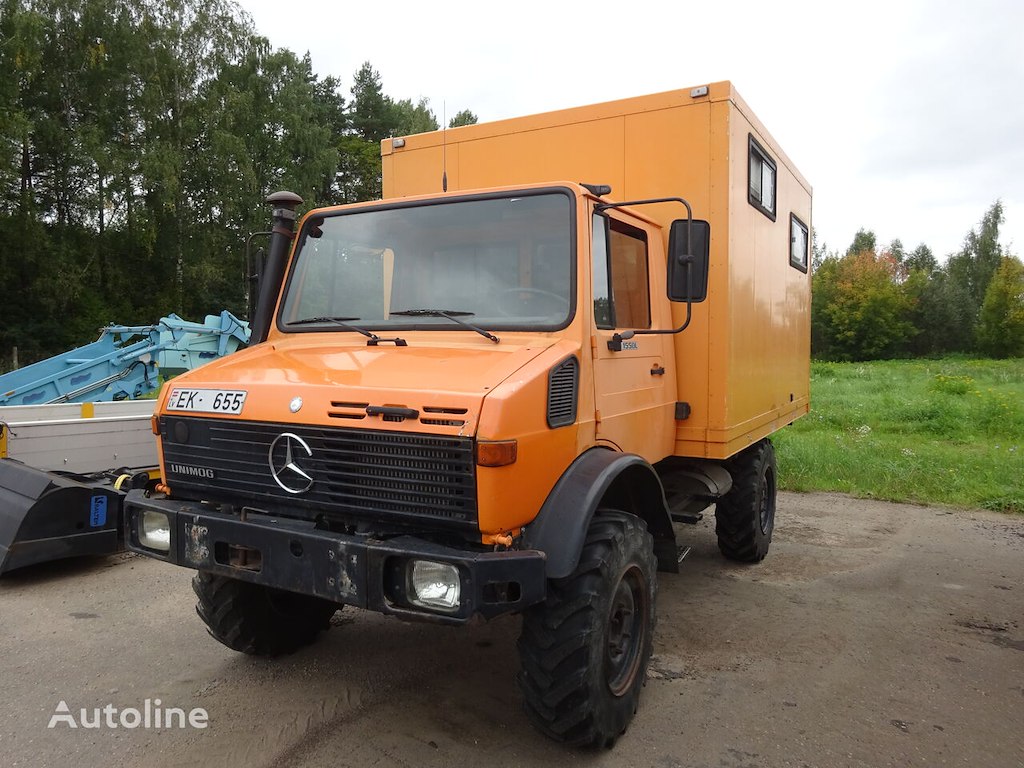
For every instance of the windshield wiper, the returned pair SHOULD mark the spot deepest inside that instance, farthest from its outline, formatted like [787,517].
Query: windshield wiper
[336,321]
[374,339]
[452,314]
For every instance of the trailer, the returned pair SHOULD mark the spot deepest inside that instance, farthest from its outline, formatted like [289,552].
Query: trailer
[64,471]
[67,463]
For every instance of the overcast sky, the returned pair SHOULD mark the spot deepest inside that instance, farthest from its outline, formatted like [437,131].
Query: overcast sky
[906,116]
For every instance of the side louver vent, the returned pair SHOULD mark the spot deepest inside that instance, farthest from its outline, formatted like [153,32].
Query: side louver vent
[563,390]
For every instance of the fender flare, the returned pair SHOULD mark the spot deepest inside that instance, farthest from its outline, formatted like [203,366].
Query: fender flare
[560,528]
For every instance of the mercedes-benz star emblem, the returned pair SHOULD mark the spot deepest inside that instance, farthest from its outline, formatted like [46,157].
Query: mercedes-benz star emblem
[283,468]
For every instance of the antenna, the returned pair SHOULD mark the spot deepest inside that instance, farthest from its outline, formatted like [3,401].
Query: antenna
[444,146]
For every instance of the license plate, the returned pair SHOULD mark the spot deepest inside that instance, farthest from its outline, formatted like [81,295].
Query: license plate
[207,400]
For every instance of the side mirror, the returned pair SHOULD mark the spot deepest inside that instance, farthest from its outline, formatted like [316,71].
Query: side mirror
[688,284]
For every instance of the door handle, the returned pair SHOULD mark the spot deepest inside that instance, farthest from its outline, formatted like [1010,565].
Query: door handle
[658,371]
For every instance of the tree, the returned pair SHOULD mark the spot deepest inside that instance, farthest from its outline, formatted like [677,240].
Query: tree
[372,112]
[819,251]
[976,262]
[983,249]
[138,139]
[864,240]
[464,117]
[859,309]
[897,251]
[937,307]
[824,278]
[331,114]
[922,258]
[374,116]
[358,176]
[1001,324]
[268,126]
[409,118]
[938,313]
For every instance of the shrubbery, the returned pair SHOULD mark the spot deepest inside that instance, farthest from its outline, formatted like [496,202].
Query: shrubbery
[872,303]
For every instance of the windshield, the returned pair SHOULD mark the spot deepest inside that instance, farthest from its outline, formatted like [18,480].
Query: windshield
[496,262]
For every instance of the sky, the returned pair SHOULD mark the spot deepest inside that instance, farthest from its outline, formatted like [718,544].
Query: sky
[907,117]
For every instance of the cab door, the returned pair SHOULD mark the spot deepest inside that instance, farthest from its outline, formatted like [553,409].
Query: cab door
[635,386]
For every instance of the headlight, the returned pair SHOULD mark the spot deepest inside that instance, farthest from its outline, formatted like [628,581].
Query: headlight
[434,585]
[154,529]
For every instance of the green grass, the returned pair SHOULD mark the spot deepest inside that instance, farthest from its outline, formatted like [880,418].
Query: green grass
[947,431]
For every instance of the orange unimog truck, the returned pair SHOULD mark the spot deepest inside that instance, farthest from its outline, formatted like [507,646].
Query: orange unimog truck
[497,389]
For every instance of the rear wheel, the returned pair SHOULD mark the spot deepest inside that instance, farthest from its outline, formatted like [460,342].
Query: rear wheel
[259,620]
[585,650]
[745,517]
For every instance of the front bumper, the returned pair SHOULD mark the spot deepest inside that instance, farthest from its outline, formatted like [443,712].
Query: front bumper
[368,573]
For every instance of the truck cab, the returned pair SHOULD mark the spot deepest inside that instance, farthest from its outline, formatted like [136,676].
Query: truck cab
[433,368]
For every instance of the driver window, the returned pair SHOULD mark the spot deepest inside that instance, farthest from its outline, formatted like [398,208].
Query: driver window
[621,284]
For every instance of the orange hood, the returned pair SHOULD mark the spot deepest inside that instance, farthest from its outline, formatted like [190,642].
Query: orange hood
[338,376]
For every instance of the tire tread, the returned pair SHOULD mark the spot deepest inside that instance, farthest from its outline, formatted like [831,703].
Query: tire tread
[557,643]
[737,524]
[244,617]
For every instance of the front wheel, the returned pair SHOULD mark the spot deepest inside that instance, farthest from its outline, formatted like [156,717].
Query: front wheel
[584,651]
[258,620]
[745,516]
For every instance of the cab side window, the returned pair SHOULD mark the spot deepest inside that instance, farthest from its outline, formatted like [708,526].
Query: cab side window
[621,281]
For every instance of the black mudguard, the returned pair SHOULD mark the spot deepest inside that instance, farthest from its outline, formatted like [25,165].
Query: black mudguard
[625,481]
[47,516]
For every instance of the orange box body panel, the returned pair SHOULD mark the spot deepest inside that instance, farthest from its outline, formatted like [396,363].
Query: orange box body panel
[743,364]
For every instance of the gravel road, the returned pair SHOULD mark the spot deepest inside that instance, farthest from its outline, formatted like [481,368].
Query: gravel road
[873,635]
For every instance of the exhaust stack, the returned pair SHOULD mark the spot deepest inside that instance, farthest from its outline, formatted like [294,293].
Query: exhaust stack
[282,234]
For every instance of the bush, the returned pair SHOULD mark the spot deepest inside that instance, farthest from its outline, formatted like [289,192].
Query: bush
[952,385]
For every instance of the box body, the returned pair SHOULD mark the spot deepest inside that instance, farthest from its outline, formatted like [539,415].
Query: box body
[743,364]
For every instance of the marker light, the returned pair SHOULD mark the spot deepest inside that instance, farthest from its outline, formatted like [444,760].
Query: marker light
[496,453]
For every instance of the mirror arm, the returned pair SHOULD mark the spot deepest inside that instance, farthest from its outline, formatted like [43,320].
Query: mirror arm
[605,206]
[615,342]
[689,214]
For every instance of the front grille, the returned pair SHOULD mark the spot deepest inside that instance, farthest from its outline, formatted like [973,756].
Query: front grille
[356,474]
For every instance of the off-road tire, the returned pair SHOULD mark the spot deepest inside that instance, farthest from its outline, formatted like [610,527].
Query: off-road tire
[745,516]
[259,620]
[584,650]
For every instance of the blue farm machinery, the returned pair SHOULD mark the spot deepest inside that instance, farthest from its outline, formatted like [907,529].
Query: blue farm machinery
[75,437]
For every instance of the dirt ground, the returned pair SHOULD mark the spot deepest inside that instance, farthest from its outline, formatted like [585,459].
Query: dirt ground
[873,635]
